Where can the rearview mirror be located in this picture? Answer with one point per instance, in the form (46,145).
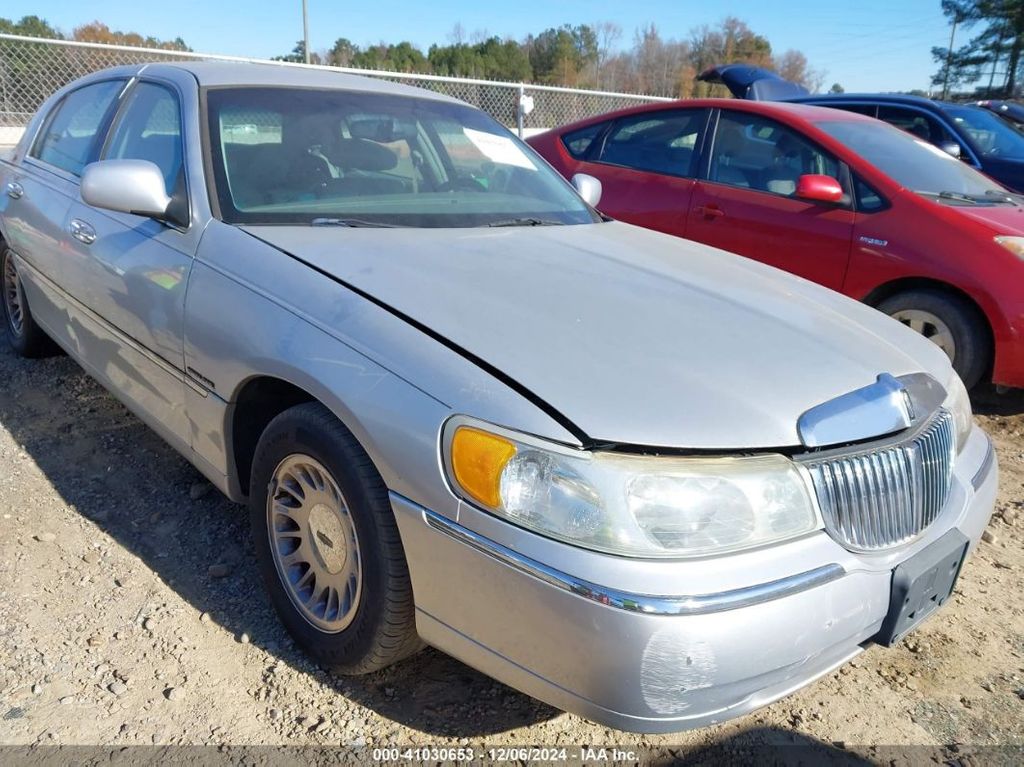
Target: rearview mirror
(588,187)
(383,130)
(127,186)
(951,148)
(812,186)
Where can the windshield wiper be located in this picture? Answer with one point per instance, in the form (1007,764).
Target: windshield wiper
(1001,195)
(991,197)
(961,197)
(526,222)
(351,222)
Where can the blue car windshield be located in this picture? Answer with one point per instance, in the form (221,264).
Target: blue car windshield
(909,161)
(356,158)
(988,135)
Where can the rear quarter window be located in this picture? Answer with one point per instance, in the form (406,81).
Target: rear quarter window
(578,142)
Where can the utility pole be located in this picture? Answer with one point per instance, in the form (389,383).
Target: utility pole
(305,30)
(949,58)
(995,62)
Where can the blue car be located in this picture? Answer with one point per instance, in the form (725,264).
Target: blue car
(974,134)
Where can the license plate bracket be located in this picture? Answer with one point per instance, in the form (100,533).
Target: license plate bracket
(922,584)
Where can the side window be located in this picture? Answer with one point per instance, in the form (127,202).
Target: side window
(578,142)
(868,200)
(868,110)
(757,153)
(659,143)
(916,123)
(69,137)
(149,128)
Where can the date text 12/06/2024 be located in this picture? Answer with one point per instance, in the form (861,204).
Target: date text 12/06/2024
(503,754)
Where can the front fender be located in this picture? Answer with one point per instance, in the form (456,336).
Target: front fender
(252,310)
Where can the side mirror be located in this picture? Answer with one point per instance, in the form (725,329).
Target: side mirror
(812,186)
(588,187)
(127,186)
(951,148)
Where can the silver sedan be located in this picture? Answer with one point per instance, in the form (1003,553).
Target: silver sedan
(638,478)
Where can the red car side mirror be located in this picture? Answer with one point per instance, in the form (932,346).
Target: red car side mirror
(812,186)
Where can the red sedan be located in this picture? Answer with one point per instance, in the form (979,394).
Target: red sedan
(841,199)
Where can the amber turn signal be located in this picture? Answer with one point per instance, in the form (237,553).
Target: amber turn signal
(478,458)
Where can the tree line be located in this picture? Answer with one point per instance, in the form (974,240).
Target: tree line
(93,32)
(581,56)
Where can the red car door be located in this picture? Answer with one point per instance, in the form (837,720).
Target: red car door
(747,204)
(646,165)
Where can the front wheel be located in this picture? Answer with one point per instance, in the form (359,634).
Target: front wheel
(25,336)
(951,323)
(328,544)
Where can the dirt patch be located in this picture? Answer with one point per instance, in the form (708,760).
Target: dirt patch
(131,612)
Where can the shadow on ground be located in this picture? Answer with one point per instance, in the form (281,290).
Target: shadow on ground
(115,471)
(775,746)
(987,400)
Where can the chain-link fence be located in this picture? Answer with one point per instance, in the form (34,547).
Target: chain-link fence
(33,68)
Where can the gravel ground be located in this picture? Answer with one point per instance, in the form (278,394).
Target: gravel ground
(131,612)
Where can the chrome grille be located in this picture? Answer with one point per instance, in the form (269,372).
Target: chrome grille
(884,496)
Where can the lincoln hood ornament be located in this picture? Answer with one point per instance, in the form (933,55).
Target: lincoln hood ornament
(888,405)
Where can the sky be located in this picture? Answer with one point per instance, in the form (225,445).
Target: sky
(865,45)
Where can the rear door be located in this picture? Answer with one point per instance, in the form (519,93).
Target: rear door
(647,166)
(745,203)
(40,191)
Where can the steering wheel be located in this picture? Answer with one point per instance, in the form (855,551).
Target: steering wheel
(465,183)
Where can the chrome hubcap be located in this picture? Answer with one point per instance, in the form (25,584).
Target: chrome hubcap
(931,327)
(314,543)
(14,299)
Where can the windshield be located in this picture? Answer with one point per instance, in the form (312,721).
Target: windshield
(909,161)
(350,158)
(988,134)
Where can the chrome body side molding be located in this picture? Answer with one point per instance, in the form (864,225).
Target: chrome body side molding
(696,604)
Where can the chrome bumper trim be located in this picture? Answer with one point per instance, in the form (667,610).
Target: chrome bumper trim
(697,604)
(986,464)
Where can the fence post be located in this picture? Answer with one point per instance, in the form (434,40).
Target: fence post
(519,109)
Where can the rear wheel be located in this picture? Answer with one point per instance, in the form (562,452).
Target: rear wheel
(328,544)
(951,323)
(27,338)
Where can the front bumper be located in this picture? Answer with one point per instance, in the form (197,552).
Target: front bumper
(649,654)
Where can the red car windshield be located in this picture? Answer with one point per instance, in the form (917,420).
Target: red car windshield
(911,162)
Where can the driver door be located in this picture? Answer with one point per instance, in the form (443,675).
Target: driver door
(136,268)
(746,203)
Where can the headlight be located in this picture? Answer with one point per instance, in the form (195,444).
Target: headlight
(637,506)
(959,404)
(1013,244)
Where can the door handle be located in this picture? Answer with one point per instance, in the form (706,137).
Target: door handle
(710,211)
(82,231)
(14,190)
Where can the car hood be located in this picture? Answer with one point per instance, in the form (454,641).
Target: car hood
(636,337)
(1002,219)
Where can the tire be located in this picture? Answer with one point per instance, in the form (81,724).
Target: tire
(964,325)
(23,333)
(366,621)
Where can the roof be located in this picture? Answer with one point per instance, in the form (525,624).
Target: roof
(877,98)
(214,74)
(806,112)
